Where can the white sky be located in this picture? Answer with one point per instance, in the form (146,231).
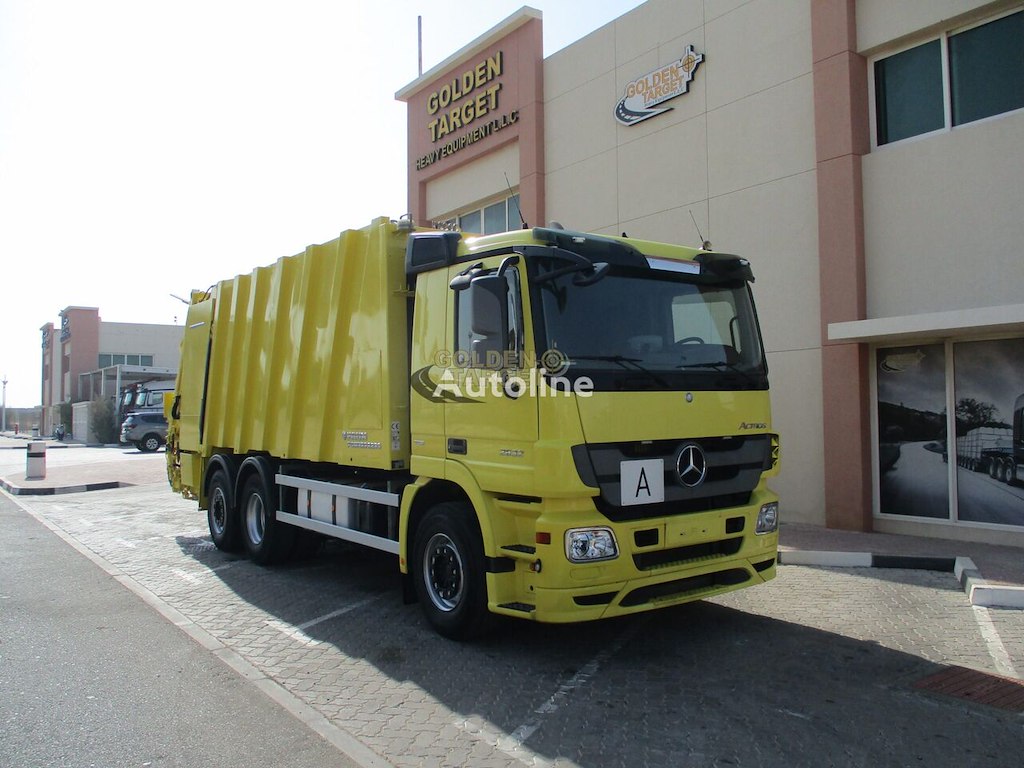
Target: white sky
(150,148)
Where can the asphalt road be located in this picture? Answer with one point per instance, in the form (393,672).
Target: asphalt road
(92,676)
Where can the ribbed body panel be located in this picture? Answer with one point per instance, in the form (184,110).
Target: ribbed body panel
(303,355)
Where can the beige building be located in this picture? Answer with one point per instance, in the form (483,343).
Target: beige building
(85,357)
(865,155)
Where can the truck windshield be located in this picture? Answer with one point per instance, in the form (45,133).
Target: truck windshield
(652,329)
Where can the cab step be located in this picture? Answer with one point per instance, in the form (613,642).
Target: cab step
(522,549)
(523,553)
(522,607)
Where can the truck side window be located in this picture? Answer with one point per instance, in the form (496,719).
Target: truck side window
(468,354)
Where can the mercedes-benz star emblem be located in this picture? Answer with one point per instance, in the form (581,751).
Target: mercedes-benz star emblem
(691,466)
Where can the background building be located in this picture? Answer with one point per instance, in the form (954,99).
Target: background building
(86,357)
(864,154)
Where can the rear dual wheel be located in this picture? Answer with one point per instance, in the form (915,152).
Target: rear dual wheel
(266,540)
(222,515)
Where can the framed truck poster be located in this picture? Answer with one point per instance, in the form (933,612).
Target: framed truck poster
(912,457)
(988,385)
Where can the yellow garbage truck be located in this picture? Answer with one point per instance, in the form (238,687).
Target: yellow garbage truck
(544,424)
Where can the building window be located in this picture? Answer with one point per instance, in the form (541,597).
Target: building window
(986,69)
(908,93)
(491,219)
(105,360)
(470,222)
(515,216)
(495,219)
(985,66)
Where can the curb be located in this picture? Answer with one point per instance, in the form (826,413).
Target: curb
(344,741)
(16,490)
(49,446)
(979,593)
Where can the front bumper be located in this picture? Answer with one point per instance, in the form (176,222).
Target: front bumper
(661,562)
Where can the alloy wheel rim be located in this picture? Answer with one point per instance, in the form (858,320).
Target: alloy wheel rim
(255,519)
(219,511)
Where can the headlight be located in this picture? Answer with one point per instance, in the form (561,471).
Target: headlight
(768,518)
(583,545)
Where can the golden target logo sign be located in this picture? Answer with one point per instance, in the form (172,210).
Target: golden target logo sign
(645,93)
(470,103)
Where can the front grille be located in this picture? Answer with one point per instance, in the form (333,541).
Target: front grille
(679,587)
(647,561)
(734,467)
(668,508)
(600,599)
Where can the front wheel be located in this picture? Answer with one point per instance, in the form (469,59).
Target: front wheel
(448,571)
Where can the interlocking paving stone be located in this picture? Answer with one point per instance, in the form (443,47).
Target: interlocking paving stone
(797,672)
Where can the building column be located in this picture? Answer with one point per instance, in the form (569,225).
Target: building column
(841,138)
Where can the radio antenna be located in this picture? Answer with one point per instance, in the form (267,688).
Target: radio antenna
(704,244)
(518,210)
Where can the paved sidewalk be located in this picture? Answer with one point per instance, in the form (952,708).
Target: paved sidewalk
(997,564)
(89,469)
(78,468)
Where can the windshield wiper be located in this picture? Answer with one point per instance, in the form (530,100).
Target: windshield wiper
(583,270)
(721,365)
(626,362)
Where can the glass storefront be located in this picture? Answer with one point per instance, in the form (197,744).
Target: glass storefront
(971,390)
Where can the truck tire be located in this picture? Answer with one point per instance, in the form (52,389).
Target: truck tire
(448,572)
(266,540)
(222,514)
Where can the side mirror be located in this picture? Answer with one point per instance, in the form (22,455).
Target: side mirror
(488,306)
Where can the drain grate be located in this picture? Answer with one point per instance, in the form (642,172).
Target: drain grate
(979,687)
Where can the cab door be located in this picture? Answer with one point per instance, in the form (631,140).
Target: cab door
(491,413)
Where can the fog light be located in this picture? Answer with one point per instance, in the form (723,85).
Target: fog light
(585,545)
(768,518)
